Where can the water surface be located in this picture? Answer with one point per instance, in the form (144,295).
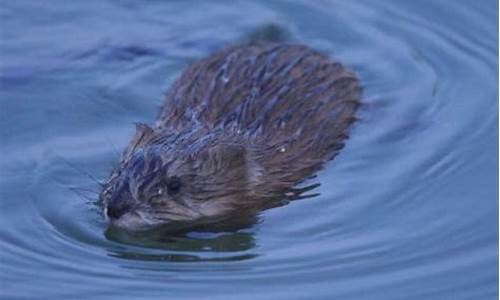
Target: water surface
(408,210)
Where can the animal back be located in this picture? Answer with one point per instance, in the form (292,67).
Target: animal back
(287,96)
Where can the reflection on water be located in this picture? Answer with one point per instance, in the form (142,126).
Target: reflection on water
(175,246)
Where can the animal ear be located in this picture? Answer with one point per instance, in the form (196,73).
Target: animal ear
(226,156)
(143,134)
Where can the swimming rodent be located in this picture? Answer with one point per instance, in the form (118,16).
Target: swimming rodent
(238,131)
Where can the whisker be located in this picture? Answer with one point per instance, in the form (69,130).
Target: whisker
(301,197)
(117,153)
(92,177)
(299,191)
(86,190)
(82,196)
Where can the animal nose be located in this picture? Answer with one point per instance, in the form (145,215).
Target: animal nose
(116,209)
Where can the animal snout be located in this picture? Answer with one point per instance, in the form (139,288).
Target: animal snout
(116,209)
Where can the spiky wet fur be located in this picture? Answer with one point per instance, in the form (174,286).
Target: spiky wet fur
(239,128)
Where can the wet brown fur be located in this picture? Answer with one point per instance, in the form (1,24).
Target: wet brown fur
(241,128)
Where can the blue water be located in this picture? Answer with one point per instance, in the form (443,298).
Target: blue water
(408,210)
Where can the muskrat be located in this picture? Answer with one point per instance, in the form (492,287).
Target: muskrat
(238,131)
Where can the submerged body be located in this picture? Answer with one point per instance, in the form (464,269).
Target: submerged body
(238,131)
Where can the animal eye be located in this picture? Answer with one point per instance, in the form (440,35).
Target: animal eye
(158,191)
(173,185)
(155,195)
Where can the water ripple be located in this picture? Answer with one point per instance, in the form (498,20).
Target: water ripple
(408,210)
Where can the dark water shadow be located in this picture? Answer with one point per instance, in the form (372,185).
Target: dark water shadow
(182,247)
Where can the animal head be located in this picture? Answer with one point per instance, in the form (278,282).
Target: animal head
(177,179)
